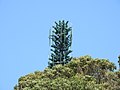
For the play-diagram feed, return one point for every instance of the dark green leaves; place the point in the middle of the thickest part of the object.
(61, 42)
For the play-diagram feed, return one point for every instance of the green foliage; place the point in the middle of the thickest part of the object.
(61, 38)
(84, 73)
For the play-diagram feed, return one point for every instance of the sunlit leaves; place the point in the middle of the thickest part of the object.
(83, 73)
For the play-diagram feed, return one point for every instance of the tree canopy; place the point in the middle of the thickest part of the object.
(83, 73)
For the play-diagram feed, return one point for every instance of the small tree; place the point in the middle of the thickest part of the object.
(61, 38)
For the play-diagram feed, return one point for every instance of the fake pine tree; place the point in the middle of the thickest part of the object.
(61, 40)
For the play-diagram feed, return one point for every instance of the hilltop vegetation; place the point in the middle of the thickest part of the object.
(83, 73)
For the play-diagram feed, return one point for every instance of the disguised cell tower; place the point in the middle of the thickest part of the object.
(119, 62)
(60, 39)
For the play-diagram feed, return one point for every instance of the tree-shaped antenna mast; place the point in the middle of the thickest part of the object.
(61, 38)
(119, 61)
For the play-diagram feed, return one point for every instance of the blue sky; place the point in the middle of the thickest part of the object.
(24, 30)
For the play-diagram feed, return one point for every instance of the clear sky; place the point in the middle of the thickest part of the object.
(24, 30)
